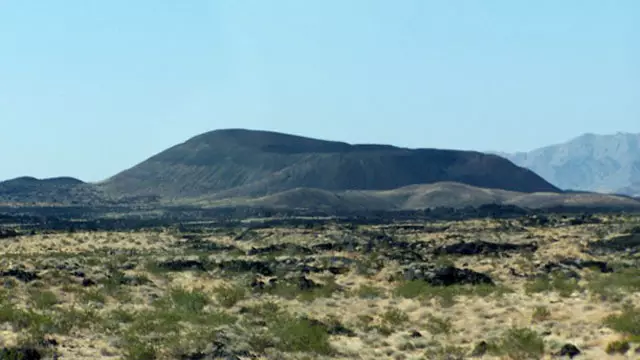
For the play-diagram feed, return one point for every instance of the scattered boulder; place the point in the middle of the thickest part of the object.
(221, 351)
(217, 350)
(258, 284)
(20, 353)
(307, 269)
(182, 265)
(337, 270)
(306, 284)
(568, 267)
(513, 272)
(602, 266)
(8, 233)
(334, 327)
(450, 275)
(22, 275)
(580, 264)
(131, 280)
(446, 276)
(569, 350)
(328, 247)
(49, 342)
(239, 266)
(339, 329)
(480, 349)
(382, 240)
(88, 282)
(127, 266)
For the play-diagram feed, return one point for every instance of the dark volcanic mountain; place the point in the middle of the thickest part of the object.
(246, 163)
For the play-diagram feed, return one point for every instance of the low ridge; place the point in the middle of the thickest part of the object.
(415, 197)
(58, 190)
(250, 163)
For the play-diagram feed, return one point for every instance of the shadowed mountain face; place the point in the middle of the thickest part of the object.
(603, 163)
(241, 163)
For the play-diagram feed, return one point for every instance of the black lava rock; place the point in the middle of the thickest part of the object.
(569, 350)
(480, 349)
(483, 248)
(88, 282)
(182, 265)
(450, 275)
(306, 284)
(22, 275)
(20, 353)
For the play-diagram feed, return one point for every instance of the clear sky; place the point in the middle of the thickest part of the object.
(89, 88)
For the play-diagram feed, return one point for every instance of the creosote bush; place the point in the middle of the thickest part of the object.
(559, 282)
(627, 322)
(614, 286)
(521, 343)
(446, 294)
(230, 295)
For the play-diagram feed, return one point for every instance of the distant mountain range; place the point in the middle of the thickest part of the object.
(269, 169)
(601, 163)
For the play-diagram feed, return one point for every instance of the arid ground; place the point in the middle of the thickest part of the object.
(528, 288)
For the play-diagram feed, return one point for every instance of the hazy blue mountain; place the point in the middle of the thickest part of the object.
(603, 163)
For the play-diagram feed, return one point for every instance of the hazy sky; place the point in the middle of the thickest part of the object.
(88, 88)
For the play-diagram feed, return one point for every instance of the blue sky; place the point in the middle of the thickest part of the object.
(88, 88)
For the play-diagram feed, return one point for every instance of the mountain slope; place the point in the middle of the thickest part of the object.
(633, 190)
(241, 163)
(604, 163)
(441, 194)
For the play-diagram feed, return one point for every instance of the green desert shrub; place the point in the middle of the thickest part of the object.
(520, 343)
